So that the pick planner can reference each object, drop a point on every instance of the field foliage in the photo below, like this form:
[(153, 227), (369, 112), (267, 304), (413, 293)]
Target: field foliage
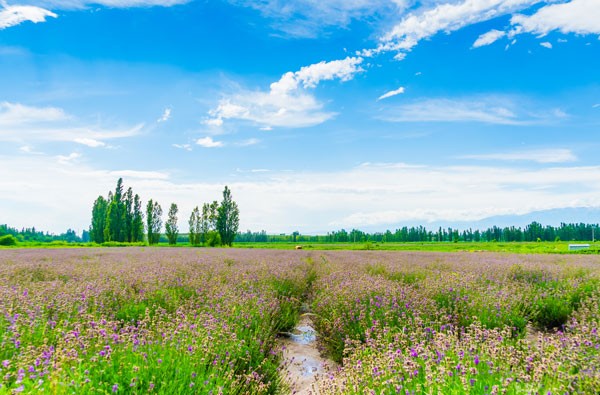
[(205, 321)]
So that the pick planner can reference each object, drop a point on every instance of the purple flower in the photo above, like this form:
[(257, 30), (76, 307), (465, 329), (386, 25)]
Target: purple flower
[(115, 388), (5, 363), (476, 360)]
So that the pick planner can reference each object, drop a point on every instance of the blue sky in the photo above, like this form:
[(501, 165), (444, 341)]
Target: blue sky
[(318, 115)]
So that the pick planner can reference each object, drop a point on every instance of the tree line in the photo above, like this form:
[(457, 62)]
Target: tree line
[(119, 218), (532, 232)]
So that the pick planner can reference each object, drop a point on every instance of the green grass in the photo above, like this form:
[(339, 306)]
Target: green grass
[(511, 247), (560, 247)]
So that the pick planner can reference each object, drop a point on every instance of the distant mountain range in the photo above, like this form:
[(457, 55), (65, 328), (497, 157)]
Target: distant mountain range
[(588, 215)]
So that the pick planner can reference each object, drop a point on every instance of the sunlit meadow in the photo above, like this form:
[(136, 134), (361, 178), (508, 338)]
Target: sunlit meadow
[(207, 321)]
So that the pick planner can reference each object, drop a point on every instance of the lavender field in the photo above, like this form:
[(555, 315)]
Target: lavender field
[(209, 321)]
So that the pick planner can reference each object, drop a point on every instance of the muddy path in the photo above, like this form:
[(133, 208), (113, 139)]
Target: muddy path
[(303, 363)]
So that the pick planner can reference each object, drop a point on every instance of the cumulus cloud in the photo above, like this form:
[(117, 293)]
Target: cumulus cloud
[(391, 93), (13, 15), (488, 38), (208, 142), (484, 109), (576, 16), (559, 155), (287, 103)]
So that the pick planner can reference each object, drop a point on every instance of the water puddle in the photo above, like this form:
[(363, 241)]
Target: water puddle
[(303, 362)]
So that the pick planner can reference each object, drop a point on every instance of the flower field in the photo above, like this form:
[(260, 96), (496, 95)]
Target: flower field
[(206, 321)]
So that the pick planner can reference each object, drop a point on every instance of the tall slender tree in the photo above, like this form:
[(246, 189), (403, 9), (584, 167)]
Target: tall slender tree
[(153, 221), (194, 225), (128, 225), (98, 220), (171, 228), (137, 231), (115, 221), (228, 218)]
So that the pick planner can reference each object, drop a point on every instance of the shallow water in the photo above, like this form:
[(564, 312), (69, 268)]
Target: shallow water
[(303, 361)]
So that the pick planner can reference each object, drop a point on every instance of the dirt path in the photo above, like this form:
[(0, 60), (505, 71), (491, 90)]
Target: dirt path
[(302, 361)]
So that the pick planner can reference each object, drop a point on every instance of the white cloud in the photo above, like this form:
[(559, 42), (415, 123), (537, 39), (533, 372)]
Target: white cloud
[(90, 142), (208, 142), (186, 147), (391, 93), (140, 174), (39, 191), (81, 4), (488, 38), (24, 123), (546, 44), (165, 116), (67, 159), (576, 16), (13, 15), (539, 156), (308, 18), (287, 103), (485, 109), (14, 114), (248, 142), (445, 17)]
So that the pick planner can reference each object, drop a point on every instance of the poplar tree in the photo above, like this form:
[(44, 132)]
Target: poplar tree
[(98, 220), (153, 221), (115, 218), (128, 225), (171, 225), (137, 231), (195, 229), (228, 218)]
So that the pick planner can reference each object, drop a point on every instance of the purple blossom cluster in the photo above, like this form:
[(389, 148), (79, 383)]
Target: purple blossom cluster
[(135, 320), (460, 323)]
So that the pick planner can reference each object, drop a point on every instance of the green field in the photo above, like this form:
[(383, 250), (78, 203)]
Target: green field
[(513, 247)]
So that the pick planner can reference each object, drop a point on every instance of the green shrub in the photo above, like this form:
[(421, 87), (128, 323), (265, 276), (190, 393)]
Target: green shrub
[(213, 239), (8, 240)]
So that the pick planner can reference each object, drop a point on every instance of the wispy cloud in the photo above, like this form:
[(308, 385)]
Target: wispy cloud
[(208, 142), (82, 4), (248, 142), (67, 159), (24, 123), (488, 38), (309, 18), (166, 115), (186, 147), (13, 15), (13, 114), (60, 195), (391, 93), (424, 23), (90, 142), (485, 109), (558, 155), (546, 44), (288, 102)]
